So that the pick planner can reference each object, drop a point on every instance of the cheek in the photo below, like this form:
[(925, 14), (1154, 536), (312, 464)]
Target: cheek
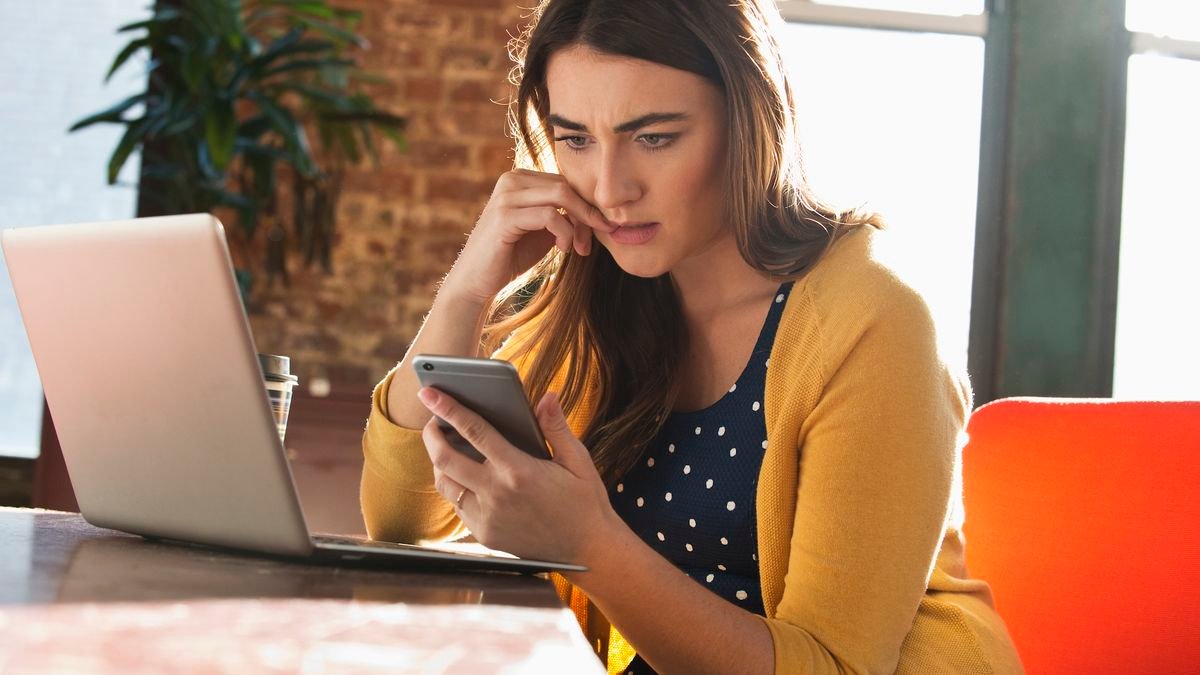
[(575, 171), (699, 184)]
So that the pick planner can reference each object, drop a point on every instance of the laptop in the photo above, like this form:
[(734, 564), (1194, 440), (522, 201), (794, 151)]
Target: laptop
[(152, 378)]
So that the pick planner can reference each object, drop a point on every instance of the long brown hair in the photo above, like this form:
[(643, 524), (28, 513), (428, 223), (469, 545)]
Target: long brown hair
[(619, 337)]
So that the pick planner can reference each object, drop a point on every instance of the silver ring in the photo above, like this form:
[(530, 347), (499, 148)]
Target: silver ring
[(458, 502)]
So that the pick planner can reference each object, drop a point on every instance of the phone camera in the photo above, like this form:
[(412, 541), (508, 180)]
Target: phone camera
[(427, 366)]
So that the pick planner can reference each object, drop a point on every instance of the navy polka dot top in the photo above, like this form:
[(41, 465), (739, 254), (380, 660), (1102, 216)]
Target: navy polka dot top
[(691, 497)]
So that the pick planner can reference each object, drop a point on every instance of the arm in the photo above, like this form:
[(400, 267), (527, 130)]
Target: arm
[(559, 510), (876, 473), (649, 599), (397, 496), (452, 328), (528, 213)]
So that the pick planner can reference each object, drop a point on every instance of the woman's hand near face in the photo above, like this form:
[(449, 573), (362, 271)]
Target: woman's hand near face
[(546, 509), (528, 212)]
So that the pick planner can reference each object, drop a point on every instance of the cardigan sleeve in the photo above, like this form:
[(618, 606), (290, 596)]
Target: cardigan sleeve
[(397, 496), (878, 456)]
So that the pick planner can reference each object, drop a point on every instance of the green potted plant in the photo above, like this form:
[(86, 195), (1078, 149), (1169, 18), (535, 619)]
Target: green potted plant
[(233, 89)]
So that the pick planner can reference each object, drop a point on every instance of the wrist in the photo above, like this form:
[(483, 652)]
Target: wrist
[(457, 297), (605, 552)]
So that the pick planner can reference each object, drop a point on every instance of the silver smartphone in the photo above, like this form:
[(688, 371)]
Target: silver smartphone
[(493, 390)]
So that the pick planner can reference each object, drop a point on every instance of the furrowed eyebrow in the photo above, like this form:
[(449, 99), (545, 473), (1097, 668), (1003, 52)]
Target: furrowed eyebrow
[(624, 127)]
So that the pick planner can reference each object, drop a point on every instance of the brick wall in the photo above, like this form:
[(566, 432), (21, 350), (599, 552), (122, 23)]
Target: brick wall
[(400, 226)]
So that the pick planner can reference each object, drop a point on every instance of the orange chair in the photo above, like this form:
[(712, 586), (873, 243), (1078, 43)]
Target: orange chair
[(1084, 516)]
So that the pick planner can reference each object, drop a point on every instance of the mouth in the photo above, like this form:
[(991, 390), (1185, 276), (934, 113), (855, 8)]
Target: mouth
[(633, 233)]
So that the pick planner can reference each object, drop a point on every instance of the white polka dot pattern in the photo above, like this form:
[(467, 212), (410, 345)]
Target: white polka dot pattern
[(723, 446)]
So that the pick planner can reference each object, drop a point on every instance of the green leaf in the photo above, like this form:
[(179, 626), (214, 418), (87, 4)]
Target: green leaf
[(253, 127), (396, 137), (308, 64), (345, 135), (319, 95), (368, 141), (133, 137), (378, 117), (162, 15), (334, 31), (124, 55), (300, 155), (112, 114), (317, 9), (220, 131), (276, 51), (369, 78)]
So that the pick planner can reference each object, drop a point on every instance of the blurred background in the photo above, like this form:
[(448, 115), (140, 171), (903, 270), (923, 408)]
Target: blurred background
[(1036, 157)]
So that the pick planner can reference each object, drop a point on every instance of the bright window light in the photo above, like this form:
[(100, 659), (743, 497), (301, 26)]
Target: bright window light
[(1158, 324), (942, 7), (1179, 19), (891, 120), (60, 51)]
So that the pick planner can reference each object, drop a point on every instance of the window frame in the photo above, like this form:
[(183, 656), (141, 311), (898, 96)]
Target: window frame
[(807, 11), (1160, 45)]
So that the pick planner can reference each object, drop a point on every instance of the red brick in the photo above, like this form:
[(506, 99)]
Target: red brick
[(473, 91), (468, 4), (424, 155), (461, 58), (453, 188), (495, 158), (401, 225), (423, 89)]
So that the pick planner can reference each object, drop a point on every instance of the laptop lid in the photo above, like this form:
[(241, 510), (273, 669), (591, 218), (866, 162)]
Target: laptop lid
[(151, 376)]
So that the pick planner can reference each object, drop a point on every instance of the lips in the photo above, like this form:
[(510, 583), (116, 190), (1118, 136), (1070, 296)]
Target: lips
[(633, 234)]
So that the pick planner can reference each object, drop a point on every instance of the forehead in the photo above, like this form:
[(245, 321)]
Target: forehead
[(587, 85)]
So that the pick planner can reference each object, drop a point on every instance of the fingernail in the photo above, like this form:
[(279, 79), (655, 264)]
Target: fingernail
[(428, 396)]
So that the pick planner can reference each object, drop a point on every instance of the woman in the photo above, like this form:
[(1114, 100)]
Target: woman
[(758, 456)]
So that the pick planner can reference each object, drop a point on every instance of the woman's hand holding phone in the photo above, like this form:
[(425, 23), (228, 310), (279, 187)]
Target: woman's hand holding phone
[(528, 212), (556, 509)]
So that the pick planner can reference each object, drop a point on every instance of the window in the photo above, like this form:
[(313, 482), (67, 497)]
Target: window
[(61, 50), (943, 7), (891, 120), (1158, 325)]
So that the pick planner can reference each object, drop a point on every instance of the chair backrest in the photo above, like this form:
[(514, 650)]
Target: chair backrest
[(1084, 516)]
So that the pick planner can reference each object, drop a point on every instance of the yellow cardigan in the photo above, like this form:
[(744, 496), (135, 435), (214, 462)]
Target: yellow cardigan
[(859, 507)]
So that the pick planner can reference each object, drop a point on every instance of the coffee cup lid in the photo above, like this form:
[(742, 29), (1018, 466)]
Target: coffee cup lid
[(277, 368)]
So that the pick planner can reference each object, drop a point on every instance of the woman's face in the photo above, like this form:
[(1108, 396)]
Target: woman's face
[(645, 144)]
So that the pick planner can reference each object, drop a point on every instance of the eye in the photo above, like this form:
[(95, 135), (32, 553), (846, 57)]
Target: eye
[(657, 141), (576, 143)]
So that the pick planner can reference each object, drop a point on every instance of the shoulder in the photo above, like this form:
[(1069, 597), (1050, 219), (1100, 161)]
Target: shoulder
[(856, 277), (854, 291)]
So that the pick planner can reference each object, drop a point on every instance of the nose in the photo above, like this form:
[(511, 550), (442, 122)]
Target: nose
[(616, 182)]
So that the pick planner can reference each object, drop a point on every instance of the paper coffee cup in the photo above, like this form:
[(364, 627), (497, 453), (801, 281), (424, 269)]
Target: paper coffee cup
[(278, 378)]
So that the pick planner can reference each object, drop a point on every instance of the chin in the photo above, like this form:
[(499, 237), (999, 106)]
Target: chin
[(640, 264)]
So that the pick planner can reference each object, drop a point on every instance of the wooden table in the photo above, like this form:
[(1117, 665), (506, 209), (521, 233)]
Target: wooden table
[(76, 598)]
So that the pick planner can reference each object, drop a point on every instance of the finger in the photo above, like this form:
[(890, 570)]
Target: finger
[(548, 219), (568, 451), (447, 487), (476, 430), (583, 237), (558, 192), (449, 462)]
